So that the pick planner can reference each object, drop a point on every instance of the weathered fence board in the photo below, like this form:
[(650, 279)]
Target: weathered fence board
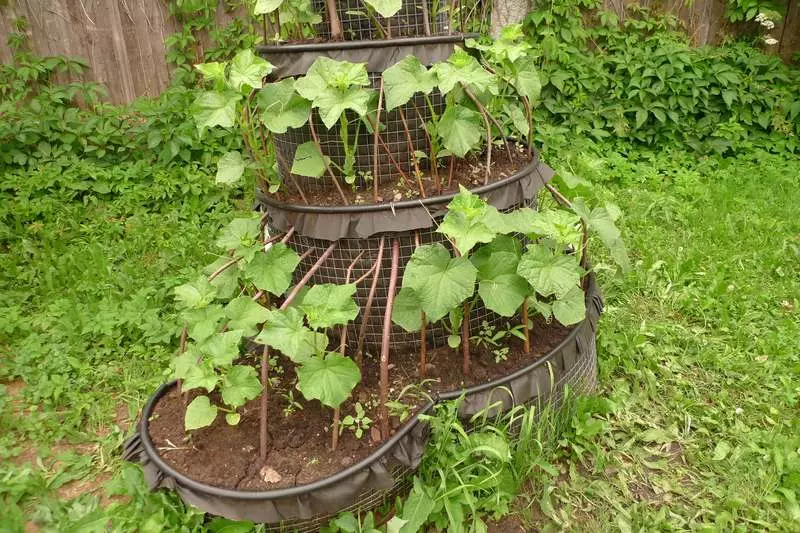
[(123, 40)]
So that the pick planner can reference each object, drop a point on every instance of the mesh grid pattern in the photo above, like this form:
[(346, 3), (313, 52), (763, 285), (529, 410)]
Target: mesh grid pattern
[(410, 21), (394, 152), (370, 500), (334, 270)]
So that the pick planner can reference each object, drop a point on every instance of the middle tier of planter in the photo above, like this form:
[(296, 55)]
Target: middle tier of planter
[(359, 231)]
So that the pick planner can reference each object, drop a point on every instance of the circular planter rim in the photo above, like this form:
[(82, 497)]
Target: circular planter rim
[(393, 206), (368, 43), (144, 427)]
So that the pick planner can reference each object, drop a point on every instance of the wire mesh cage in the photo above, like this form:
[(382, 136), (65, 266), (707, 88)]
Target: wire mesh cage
[(416, 18), (402, 139), (359, 256)]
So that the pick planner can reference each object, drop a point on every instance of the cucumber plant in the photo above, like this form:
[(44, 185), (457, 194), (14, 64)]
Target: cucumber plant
[(235, 299)]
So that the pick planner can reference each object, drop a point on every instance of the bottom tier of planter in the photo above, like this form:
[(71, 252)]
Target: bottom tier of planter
[(373, 482)]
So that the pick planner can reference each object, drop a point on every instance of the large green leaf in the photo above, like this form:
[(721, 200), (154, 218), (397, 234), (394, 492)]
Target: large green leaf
[(240, 235), (527, 80), (329, 379), (407, 310), (284, 330), (203, 323), (230, 168), (247, 71), (335, 86), (386, 8), (460, 129), (461, 67), (223, 348), (200, 375), (244, 314), (417, 508), (504, 293), (404, 79), (549, 272), (196, 294), (308, 161), (226, 282), (570, 308), (327, 305), (199, 414), (262, 7), (213, 71), (601, 222), (470, 220), (214, 108), (272, 270), (240, 385), (497, 258), (559, 225), (440, 281), (282, 107)]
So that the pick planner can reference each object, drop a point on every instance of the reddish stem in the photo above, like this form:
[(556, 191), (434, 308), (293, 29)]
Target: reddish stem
[(264, 403), (465, 340), (387, 335), (376, 135), (368, 307), (325, 255), (411, 150), (327, 165), (525, 329)]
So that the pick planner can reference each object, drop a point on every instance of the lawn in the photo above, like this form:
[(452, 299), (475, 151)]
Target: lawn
[(695, 425)]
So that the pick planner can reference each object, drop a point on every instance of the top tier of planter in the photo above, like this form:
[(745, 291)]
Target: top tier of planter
[(416, 18)]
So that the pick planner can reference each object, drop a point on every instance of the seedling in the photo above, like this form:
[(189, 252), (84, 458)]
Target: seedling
[(292, 405), (358, 423)]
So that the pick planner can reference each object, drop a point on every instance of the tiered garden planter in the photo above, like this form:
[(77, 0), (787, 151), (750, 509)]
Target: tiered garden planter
[(376, 480)]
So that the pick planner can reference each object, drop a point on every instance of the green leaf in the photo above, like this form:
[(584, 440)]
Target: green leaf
[(213, 108), (527, 80), (308, 161), (285, 331), (470, 220), (230, 168), (200, 376), (223, 348), (213, 71), (641, 117), (240, 234), (504, 293), (721, 450), (272, 270), (327, 305), (248, 71), (245, 314), (203, 323), (240, 385), (395, 525), (407, 310), (200, 413), (335, 86), (497, 258), (600, 220), (520, 220), (557, 224), (262, 7), (196, 294), (227, 282), (549, 272), (386, 8), (441, 282), (461, 67), (570, 308), (460, 129), (282, 107), (404, 79), (417, 508), (233, 419), (329, 379), (181, 364)]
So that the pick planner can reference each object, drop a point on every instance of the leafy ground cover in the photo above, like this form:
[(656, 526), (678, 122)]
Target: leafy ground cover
[(695, 424)]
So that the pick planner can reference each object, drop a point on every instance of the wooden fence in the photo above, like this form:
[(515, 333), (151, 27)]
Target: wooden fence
[(123, 40)]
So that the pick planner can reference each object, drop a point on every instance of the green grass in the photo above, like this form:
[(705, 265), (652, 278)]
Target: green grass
[(696, 422)]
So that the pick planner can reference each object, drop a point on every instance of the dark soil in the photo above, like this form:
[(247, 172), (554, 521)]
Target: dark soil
[(470, 173), (300, 443)]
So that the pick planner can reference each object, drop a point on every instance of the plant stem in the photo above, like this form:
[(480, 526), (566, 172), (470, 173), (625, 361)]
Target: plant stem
[(426, 24), (300, 284), (494, 121), (376, 135), (327, 165), (450, 172), (335, 430), (563, 200), (412, 151), (264, 403), (368, 308), (387, 334), (437, 184), (333, 16), (525, 329), (224, 267), (181, 349), (394, 162), (465, 340), (423, 348), (488, 135), (529, 116)]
